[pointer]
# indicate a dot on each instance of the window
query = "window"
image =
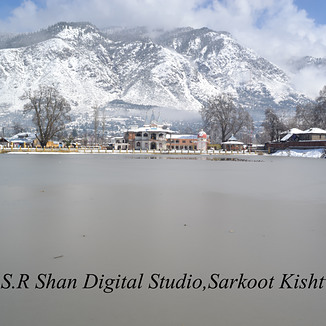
(138, 144)
(145, 134)
(183, 141)
(153, 145)
(138, 134)
(177, 141)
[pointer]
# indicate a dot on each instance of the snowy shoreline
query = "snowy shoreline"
(297, 153)
(310, 153)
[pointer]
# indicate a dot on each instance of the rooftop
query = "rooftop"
(151, 127)
(182, 136)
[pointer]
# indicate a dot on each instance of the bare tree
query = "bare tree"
(85, 139)
(103, 124)
(313, 114)
(74, 133)
(17, 127)
(304, 116)
(273, 125)
(50, 112)
(96, 121)
(221, 115)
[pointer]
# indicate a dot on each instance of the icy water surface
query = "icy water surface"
(99, 239)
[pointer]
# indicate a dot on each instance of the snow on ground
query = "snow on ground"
(312, 153)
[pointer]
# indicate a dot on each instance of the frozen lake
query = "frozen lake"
(143, 219)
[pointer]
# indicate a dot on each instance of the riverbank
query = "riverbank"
(308, 153)
(89, 150)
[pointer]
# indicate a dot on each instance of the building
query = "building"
(312, 134)
(23, 139)
(232, 144)
(181, 142)
(202, 140)
(188, 142)
(298, 139)
(292, 134)
(148, 137)
(118, 143)
(4, 142)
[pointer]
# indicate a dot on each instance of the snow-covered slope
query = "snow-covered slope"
(307, 62)
(177, 69)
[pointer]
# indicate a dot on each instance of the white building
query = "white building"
(148, 137)
(232, 144)
(202, 141)
(118, 143)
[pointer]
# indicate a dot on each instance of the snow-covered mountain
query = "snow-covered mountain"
(177, 69)
(299, 64)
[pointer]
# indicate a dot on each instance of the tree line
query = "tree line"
(50, 112)
(310, 115)
(222, 118)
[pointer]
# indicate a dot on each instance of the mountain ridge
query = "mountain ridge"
(177, 69)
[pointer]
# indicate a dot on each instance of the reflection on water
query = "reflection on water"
(109, 215)
(192, 157)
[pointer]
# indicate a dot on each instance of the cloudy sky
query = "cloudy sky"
(276, 29)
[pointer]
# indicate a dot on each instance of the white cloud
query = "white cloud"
(310, 81)
(275, 29)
